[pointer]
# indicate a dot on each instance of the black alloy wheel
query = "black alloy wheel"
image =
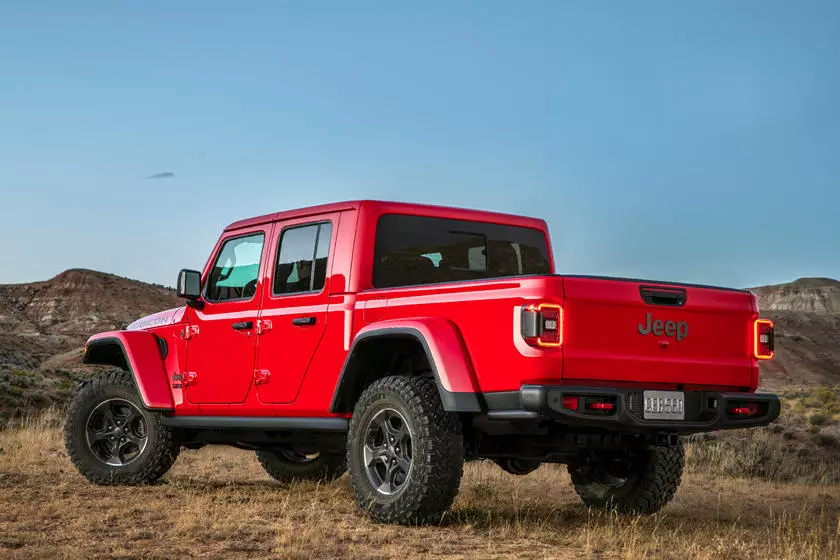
(387, 451)
(116, 432)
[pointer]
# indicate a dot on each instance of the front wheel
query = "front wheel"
(112, 439)
(405, 452)
(633, 481)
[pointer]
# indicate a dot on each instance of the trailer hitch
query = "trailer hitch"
(667, 439)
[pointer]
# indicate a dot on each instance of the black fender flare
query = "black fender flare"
(444, 349)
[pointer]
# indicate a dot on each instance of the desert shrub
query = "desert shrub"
(65, 384)
(826, 400)
(826, 439)
(789, 456)
(818, 419)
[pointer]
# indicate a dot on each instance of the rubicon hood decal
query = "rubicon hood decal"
(168, 317)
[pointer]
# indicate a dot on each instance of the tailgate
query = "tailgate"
(652, 332)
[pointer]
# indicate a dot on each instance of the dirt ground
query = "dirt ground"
(217, 502)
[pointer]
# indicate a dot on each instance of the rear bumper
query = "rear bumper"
(705, 411)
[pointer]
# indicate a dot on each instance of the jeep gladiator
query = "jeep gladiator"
(396, 341)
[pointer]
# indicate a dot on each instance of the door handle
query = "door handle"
(303, 321)
(243, 326)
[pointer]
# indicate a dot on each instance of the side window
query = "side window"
(302, 259)
(416, 250)
(234, 274)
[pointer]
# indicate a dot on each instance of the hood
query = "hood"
(161, 319)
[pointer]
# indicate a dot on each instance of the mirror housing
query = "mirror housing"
(189, 284)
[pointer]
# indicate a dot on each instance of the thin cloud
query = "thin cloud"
(164, 175)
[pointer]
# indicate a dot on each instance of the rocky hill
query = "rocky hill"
(807, 316)
(77, 303)
(44, 324)
(808, 295)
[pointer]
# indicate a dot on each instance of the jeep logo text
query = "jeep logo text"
(668, 328)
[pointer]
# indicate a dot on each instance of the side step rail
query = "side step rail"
(257, 423)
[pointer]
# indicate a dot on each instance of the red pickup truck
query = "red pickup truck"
(398, 340)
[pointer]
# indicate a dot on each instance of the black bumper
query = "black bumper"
(705, 411)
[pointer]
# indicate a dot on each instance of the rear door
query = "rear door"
(650, 332)
(294, 310)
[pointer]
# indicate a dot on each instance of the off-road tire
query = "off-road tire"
(326, 467)
(437, 452)
(655, 480)
(157, 457)
(518, 467)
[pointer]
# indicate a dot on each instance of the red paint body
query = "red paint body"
(472, 329)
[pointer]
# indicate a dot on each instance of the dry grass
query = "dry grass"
(217, 502)
(803, 445)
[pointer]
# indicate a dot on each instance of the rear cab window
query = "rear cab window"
(417, 250)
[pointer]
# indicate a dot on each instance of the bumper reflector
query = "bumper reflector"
(570, 402)
(600, 406)
(749, 409)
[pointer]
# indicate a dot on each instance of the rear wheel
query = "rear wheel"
(112, 439)
(289, 464)
(639, 481)
(405, 452)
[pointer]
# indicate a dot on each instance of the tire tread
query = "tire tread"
(436, 472)
(651, 491)
(327, 467)
(165, 447)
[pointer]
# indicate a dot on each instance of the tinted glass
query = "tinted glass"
(319, 277)
(302, 260)
(234, 274)
(413, 250)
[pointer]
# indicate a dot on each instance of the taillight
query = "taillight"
(542, 325)
(571, 402)
(600, 406)
(746, 409)
(763, 339)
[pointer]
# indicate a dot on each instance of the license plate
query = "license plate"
(664, 405)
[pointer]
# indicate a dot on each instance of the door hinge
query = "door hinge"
(263, 326)
(190, 331)
(261, 376)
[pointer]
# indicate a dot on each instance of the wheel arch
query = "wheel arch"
(435, 340)
(140, 353)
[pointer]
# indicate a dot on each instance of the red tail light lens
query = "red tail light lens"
(571, 402)
(600, 406)
(542, 325)
(748, 409)
(763, 339)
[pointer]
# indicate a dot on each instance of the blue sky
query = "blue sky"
(690, 141)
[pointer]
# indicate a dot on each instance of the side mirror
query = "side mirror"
(189, 284)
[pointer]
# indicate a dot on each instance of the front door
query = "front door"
(294, 307)
(221, 341)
